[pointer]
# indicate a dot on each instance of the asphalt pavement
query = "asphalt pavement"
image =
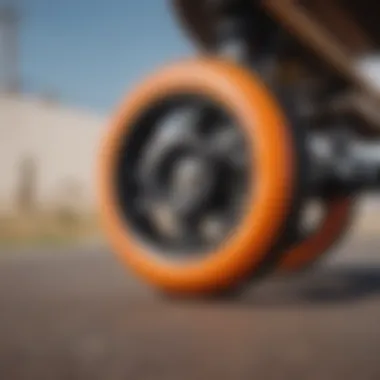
(78, 314)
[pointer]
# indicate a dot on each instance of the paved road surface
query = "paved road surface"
(78, 315)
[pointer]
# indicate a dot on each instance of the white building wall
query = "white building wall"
(63, 143)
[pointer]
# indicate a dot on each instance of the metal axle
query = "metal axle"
(345, 162)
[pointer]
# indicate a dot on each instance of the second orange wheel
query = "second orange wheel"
(335, 221)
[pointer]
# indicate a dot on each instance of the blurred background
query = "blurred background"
(63, 67)
(68, 309)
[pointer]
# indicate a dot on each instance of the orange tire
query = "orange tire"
(336, 221)
(272, 166)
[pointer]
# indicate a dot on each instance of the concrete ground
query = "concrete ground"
(77, 314)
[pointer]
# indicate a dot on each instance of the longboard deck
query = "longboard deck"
(339, 44)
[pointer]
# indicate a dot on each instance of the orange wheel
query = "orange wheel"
(270, 184)
(335, 221)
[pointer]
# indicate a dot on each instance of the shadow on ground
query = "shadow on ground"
(323, 287)
(327, 287)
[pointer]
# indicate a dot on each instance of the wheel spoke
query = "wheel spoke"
(189, 230)
(178, 130)
(164, 219)
(226, 140)
(228, 145)
(214, 228)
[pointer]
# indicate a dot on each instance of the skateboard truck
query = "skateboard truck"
(344, 162)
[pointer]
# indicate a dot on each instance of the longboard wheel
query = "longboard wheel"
(317, 240)
(215, 125)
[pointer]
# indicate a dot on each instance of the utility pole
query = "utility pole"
(9, 49)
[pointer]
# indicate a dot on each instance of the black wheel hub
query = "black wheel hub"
(193, 183)
(185, 173)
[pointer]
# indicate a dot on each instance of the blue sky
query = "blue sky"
(90, 52)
